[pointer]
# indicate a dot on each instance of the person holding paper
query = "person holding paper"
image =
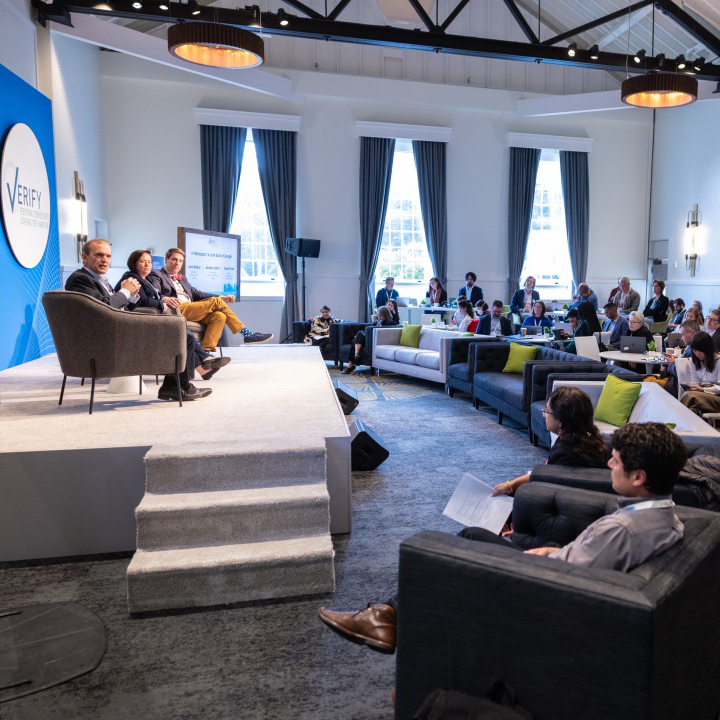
(645, 463)
(569, 415)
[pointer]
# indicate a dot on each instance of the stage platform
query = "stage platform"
(70, 481)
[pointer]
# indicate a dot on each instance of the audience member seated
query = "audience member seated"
(538, 317)
(585, 323)
(91, 280)
(614, 291)
(466, 316)
(712, 325)
(139, 267)
(615, 324)
(657, 307)
(436, 294)
(627, 300)
(645, 463)
(384, 319)
(679, 314)
(704, 372)
(698, 307)
(386, 293)
(569, 414)
(392, 306)
(692, 314)
(470, 291)
(524, 298)
(687, 330)
(482, 309)
(197, 306)
(320, 328)
(584, 295)
(494, 323)
(638, 328)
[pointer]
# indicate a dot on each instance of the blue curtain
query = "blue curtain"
(524, 164)
(430, 163)
(376, 160)
(576, 196)
(277, 164)
(221, 154)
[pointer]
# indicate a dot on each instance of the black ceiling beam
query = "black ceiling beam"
(420, 10)
(689, 23)
(458, 9)
(378, 35)
(594, 23)
(303, 8)
(338, 9)
(521, 21)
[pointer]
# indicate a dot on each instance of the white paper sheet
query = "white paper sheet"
(473, 505)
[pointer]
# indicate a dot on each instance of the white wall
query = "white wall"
(687, 171)
(152, 162)
(18, 40)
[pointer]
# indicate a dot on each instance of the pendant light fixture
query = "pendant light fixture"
(215, 45)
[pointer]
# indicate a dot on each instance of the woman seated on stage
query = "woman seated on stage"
(320, 328)
(139, 267)
(464, 315)
(436, 294)
(704, 373)
(384, 319)
(569, 414)
(538, 317)
(638, 328)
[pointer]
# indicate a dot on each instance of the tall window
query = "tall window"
(547, 257)
(259, 261)
(403, 251)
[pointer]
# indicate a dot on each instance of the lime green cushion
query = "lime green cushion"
(519, 355)
(617, 399)
(410, 336)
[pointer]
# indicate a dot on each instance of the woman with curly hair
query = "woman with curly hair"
(569, 415)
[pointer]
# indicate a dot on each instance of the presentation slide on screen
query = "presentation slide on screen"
(211, 263)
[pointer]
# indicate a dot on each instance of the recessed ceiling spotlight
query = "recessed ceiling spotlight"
(594, 52)
(698, 64)
(680, 60)
(137, 5)
(163, 6)
(572, 49)
(283, 17)
(639, 56)
(194, 7)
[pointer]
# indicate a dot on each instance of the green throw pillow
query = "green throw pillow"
(410, 336)
(519, 355)
(617, 399)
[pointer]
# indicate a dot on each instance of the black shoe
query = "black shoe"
(357, 360)
(214, 363)
(348, 370)
(258, 338)
(191, 393)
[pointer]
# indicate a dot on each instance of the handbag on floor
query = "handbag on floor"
(500, 703)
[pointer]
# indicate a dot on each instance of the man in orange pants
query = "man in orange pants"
(197, 306)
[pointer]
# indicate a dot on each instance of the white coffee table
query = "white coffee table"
(649, 360)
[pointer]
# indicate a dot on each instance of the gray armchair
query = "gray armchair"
(95, 340)
(573, 642)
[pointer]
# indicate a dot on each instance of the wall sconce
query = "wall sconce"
(691, 226)
(81, 202)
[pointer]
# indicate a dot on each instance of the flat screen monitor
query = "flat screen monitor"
(212, 260)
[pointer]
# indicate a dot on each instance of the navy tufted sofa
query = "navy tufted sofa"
(573, 642)
(511, 394)
(460, 362)
(340, 340)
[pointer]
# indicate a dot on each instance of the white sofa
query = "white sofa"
(428, 360)
(654, 405)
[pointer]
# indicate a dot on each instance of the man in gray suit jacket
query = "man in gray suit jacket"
(615, 324)
(627, 299)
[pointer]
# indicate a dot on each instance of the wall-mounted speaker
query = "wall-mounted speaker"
(367, 450)
(302, 247)
(348, 398)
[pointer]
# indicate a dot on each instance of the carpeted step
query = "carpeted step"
(224, 574)
(175, 520)
(196, 467)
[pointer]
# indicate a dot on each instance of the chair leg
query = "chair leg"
(535, 440)
(140, 376)
(220, 349)
(177, 378)
(531, 435)
(82, 381)
(500, 418)
(157, 380)
(92, 387)
(62, 389)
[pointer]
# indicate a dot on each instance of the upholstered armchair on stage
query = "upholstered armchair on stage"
(573, 642)
(95, 340)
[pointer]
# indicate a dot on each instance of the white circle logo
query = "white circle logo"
(25, 196)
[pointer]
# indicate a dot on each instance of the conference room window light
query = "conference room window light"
(403, 250)
(547, 257)
(259, 263)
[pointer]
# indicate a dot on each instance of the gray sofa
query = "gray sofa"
(460, 362)
(573, 642)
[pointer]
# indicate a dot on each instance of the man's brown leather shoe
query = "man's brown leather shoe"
(375, 626)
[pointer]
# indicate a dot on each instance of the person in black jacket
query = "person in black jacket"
(470, 290)
(657, 307)
(524, 298)
(385, 319)
(494, 323)
(569, 415)
(638, 328)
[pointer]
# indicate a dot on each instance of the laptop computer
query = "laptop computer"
(559, 333)
(631, 344)
(674, 340)
(533, 329)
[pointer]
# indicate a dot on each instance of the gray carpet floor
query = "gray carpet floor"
(276, 660)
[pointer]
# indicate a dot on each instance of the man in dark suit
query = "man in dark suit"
(713, 327)
(91, 280)
(615, 324)
(470, 290)
(524, 299)
(387, 293)
(494, 323)
(198, 306)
